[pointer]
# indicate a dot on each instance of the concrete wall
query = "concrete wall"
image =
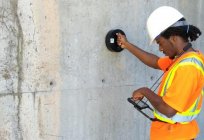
(57, 79)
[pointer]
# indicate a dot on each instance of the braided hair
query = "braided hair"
(188, 32)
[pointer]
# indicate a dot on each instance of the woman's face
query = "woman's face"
(166, 47)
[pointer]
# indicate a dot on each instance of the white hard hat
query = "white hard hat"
(161, 19)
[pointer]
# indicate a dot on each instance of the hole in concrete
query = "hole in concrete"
(51, 83)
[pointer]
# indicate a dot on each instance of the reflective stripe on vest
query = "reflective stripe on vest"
(194, 110)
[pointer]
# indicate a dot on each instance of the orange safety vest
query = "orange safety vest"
(192, 112)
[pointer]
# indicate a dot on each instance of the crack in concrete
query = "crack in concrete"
(20, 43)
(31, 92)
(51, 135)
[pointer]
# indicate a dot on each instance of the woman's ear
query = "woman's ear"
(173, 39)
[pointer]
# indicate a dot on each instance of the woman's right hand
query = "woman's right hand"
(121, 40)
(137, 94)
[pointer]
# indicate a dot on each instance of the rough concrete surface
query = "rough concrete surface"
(58, 81)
